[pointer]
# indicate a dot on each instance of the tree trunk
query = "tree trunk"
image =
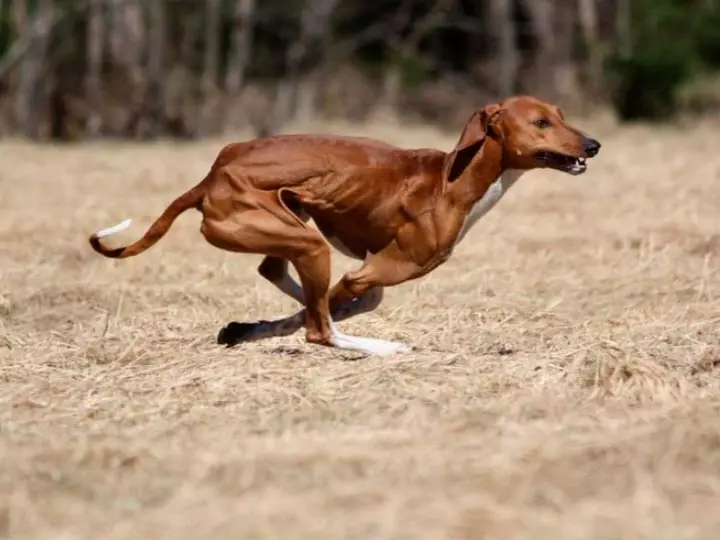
(588, 18)
(192, 97)
(587, 15)
(241, 46)
(2, 17)
(282, 106)
(565, 77)
(316, 24)
(623, 25)
(127, 40)
(156, 71)
(211, 63)
(304, 88)
(405, 49)
(19, 15)
(31, 92)
(95, 52)
(502, 28)
(392, 84)
(240, 53)
(542, 71)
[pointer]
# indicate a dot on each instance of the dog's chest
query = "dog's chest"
(494, 193)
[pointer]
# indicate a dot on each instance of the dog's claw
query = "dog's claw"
(235, 333)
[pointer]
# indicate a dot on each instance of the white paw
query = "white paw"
(388, 348)
(370, 346)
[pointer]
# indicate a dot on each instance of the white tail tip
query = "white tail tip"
(114, 229)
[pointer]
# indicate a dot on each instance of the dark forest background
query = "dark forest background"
(138, 69)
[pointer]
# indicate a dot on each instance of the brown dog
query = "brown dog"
(400, 211)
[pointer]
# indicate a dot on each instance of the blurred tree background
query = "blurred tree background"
(138, 69)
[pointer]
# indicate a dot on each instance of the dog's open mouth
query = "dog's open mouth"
(561, 162)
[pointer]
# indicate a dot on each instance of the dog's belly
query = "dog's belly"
(354, 241)
(494, 193)
(335, 242)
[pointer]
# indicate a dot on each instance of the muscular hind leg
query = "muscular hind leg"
(251, 221)
(275, 269)
(254, 222)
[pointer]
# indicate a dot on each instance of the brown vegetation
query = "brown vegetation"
(565, 382)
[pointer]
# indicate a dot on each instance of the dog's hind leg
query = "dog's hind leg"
(315, 320)
(275, 270)
(367, 300)
(253, 222)
(237, 332)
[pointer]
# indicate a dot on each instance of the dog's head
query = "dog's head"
(532, 134)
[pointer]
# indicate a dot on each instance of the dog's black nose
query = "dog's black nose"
(591, 146)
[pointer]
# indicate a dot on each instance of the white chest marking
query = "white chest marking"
(494, 193)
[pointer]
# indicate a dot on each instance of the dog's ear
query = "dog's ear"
(471, 140)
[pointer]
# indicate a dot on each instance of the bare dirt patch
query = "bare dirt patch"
(565, 380)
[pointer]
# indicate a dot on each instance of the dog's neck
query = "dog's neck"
(472, 185)
(479, 188)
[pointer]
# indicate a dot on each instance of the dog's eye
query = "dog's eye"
(542, 123)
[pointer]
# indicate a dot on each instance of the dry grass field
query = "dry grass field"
(565, 382)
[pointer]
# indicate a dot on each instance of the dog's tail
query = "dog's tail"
(189, 199)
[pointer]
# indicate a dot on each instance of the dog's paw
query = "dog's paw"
(235, 333)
